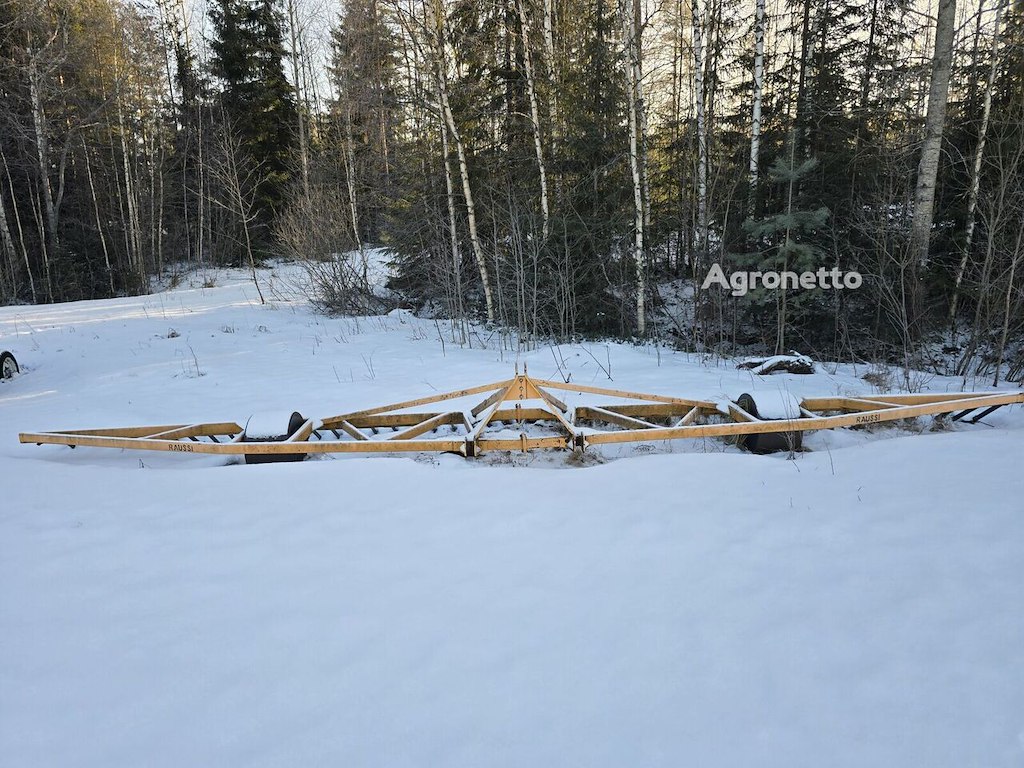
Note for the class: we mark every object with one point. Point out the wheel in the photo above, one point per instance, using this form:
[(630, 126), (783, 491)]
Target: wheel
[(766, 442), (8, 365), (294, 424)]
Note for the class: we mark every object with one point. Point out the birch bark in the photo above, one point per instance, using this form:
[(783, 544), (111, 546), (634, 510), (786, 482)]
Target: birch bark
[(531, 87), (631, 34), (924, 196), (755, 122), (979, 151), (467, 190), (702, 133)]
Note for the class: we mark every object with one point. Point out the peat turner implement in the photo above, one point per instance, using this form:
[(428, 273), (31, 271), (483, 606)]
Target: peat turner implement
[(527, 414)]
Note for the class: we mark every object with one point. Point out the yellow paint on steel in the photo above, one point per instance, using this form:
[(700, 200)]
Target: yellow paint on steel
[(351, 431), (237, 449), (611, 417), (385, 420), (516, 443), (427, 425), (692, 414), (195, 430), (557, 407), (497, 397), (486, 419), (854, 411), (820, 403), (553, 402), (302, 433), (454, 395), (128, 431), (655, 410), (804, 425), (550, 399), (845, 404), (738, 414), (522, 414), (583, 389)]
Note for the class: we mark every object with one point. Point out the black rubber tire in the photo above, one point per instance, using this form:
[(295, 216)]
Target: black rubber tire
[(766, 442), (8, 365), (294, 424)]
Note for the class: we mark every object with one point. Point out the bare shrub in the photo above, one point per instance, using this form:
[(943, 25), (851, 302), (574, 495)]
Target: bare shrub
[(314, 232)]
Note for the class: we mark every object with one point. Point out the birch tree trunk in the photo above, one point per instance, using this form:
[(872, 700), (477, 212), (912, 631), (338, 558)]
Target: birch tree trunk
[(554, 87), (631, 35), (8, 247), (924, 196), (678, 254), (755, 122), (297, 81), (132, 233), (531, 87), (979, 151), (132, 224), (40, 126), (453, 230), (99, 221), (353, 201), (467, 190), (1015, 260), (21, 230), (865, 93), (549, 52), (641, 113), (702, 135), (236, 173)]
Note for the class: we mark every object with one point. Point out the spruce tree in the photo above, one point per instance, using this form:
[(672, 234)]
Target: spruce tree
[(257, 103), (787, 240), (365, 115)]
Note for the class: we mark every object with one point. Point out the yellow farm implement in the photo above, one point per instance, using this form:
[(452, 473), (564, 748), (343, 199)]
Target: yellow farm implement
[(525, 413)]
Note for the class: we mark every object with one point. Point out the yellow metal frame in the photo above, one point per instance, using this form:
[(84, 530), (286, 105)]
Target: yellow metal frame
[(511, 405)]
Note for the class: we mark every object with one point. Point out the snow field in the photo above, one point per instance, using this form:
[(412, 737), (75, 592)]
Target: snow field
[(857, 606)]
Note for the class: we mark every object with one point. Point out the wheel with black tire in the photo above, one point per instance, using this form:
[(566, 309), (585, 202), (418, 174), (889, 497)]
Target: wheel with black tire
[(8, 365), (294, 425), (765, 442)]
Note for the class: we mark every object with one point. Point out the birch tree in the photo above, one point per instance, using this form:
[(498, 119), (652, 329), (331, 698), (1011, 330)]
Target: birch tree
[(40, 65), (552, 68), (531, 87), (294, 55), (755, 122), (438, 43), (975, 177), (700, 250), (927, 171), (630, 13)]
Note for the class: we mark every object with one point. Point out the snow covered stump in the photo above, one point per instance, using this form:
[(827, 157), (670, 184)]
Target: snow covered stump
[(264, 428)]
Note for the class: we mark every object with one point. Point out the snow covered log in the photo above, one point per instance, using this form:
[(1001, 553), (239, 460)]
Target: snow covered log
[(791, 363)]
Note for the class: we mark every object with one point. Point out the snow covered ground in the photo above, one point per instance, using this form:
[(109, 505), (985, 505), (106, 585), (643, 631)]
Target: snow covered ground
[(674, 605)]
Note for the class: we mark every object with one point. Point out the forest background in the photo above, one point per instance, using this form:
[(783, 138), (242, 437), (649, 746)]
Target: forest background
[(561, 168)]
